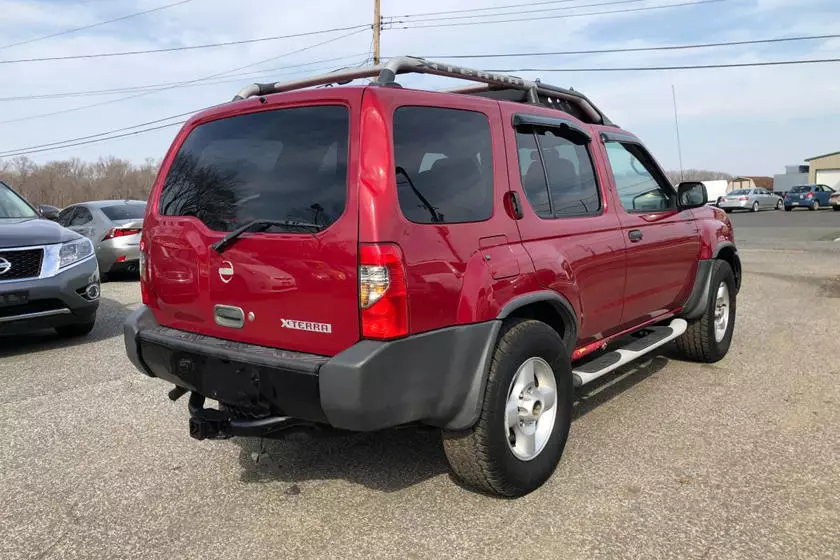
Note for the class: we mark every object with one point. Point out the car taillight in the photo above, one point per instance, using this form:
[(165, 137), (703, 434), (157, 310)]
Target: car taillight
[(145, 288), (809, 195), (744, 198), (120, 232), (383, 297)]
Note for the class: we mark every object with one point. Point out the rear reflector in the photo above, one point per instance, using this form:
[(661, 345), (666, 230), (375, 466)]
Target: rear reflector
[(120, 258), (120, 232), (383, 298), (145, 280)]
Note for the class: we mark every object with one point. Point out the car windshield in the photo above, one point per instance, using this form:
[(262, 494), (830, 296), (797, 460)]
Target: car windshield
[(801, 188), (12, 205), (740, 192), (126, 211)]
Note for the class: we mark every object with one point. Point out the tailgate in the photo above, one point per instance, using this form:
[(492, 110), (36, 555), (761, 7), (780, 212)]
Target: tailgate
[(292, 288)]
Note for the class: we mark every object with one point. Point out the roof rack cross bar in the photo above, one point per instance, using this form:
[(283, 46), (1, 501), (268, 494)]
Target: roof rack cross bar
[(386, 76)]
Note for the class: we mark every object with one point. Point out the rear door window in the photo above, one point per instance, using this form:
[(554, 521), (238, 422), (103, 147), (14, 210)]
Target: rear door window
[(443, 165), (286, 165)]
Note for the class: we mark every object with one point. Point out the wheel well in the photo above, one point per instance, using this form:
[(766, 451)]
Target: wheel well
[(730, 255), (548, 313)]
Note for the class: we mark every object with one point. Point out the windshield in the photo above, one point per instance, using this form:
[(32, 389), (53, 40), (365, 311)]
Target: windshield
[(12, 205), (281, 165), (126, 211), (801, 188), (740, 192)]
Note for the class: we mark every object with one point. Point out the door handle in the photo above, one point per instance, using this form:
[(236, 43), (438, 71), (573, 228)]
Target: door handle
[(635, 235)]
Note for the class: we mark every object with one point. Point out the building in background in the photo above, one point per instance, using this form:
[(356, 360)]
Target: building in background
[(750, 183), (825, 170), (793, 175)]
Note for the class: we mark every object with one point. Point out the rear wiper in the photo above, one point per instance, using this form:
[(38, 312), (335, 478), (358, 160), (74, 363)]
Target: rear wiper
[(436, 217), (260, 225)]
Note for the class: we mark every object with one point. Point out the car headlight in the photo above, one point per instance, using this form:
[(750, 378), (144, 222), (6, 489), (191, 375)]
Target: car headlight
[(74, 251)]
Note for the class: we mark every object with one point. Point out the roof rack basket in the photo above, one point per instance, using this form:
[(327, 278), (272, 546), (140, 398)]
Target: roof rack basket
[(536, 92)]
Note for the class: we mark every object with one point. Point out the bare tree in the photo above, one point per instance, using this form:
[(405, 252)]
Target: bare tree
[(696, 175)]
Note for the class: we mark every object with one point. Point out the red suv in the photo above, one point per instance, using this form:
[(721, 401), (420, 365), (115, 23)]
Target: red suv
[(370, 256)]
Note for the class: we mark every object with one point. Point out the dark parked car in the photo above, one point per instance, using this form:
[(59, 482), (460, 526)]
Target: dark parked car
[(48, 274), (114, 227), (812, 197), (370, 256)]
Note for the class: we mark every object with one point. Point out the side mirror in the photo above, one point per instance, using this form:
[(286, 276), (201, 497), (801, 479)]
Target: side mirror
[(48, 212), (691, 194)]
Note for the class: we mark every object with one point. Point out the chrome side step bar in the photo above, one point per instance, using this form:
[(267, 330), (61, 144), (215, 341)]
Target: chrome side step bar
[(602, 365)]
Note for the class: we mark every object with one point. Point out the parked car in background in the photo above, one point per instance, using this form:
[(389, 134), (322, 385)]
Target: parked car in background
[(834, 201), (114, 227), (48, 275), (750, 199), (811, 197)]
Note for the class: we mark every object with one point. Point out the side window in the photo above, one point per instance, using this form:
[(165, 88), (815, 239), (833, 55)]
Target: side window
[(66, 216), (81, 217), (571, 188), (640, 187), (443, 165)]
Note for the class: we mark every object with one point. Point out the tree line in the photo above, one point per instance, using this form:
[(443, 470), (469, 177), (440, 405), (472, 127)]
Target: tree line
[(64, 182)]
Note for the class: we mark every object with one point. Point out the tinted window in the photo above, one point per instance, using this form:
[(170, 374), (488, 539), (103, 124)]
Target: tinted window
[(124, 212), (638, 183), (66, 215), (801, 188), (572, 189), (444, 165), (12, 205), (81, 217), (288, 164)]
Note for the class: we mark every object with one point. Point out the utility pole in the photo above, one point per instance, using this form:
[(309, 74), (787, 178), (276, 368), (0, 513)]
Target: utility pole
[(377, 27)]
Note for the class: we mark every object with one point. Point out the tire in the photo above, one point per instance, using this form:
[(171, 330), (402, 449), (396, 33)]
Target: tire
[(755, 207), (700, 343), (836, 208), (779, 205), (484, 457), (814, 206), (727, 210), (77, 330), (788, 208)]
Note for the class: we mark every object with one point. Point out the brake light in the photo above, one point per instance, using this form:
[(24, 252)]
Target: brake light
[(383, 297), (809, 195), (120, 232), (743, 198), (145, 288)]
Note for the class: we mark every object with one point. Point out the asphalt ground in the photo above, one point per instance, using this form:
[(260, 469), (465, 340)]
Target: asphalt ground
[(666, 459)]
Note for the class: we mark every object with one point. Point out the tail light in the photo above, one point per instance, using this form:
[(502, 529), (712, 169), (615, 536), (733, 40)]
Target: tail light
[(809, 195), (383, 297), (743, 198), (145, 286), (120, 232)]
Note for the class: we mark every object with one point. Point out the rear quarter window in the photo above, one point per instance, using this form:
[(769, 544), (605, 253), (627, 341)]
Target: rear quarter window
[(443, 165), (285, 164)]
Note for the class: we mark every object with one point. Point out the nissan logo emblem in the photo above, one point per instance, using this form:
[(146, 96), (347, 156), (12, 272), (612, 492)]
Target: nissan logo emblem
[(226, 271), (5, 266)]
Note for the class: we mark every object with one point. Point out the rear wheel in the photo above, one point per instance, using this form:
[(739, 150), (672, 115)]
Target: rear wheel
[(814, 205), (836, 208), (525, 415), (708, 338), (788, 208), (73, 331), (755, 207)]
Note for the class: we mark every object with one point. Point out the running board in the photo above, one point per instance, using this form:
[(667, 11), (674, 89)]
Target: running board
[(602, 365)]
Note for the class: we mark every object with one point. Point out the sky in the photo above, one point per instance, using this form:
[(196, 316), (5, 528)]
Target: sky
[(744, 121)]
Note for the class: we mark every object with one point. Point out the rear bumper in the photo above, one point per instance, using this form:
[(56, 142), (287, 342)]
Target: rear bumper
[(108, 253), (51, 302), (731, 205), (435, 378)]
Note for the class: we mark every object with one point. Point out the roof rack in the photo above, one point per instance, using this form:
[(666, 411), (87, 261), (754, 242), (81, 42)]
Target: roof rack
[(535, 92)]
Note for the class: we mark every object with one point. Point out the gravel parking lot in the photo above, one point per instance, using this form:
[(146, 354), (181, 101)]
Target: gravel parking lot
[(668, 459)]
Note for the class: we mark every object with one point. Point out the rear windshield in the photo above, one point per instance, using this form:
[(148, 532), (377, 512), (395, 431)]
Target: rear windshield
[(801, 188), (287, 164), (125, 212), (741, 191)]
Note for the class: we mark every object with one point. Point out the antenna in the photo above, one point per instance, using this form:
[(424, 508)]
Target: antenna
[(677, 126)]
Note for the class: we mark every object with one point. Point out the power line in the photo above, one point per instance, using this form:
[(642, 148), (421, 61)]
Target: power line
[(521, 12), (408, 25), (164, 85), (686, 67), (184, 48), (97, 24), (642, 49), (528, 4), (178, 84)]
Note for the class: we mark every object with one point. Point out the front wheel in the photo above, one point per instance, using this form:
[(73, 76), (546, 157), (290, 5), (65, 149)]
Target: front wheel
[(525, 415), (707, 339), (779, 205)]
